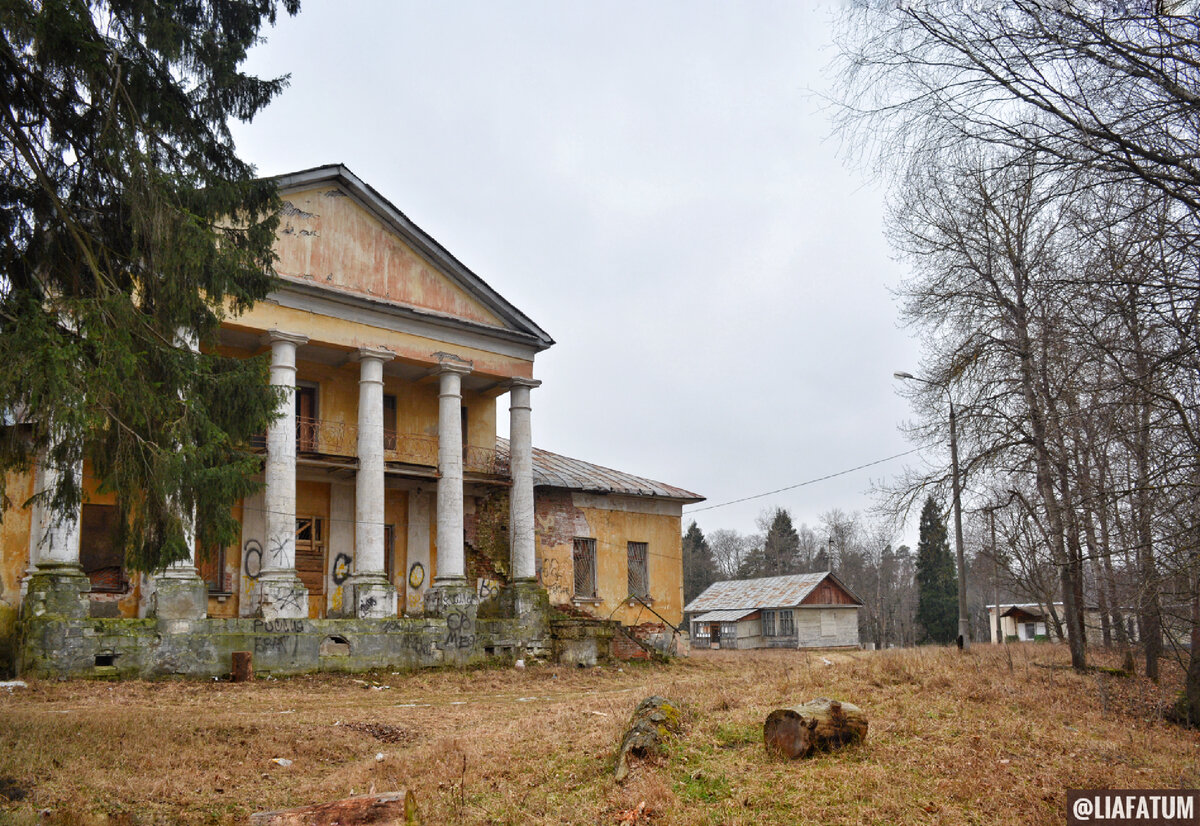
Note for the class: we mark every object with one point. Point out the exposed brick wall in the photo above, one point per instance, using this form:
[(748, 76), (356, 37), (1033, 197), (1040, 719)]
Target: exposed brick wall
[(554, 516), (624, 648)]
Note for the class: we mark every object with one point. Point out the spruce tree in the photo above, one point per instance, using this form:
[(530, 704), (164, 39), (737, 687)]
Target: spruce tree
[(937, 587), (131, 229), (782, 544), (699, 566)]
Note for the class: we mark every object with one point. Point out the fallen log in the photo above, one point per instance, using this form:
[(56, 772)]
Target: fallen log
[(818, 725), (654, 721), (388, 808)]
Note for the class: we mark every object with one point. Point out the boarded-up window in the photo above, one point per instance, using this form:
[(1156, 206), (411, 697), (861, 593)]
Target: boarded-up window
[(584, 554), (829, 625), (99, 555), (768, 623), (310, 553), (787, 624), (639, 569)]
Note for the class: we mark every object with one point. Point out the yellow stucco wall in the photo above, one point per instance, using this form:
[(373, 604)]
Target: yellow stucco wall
[(562, 516), (340, 332), (14, 538), (327, 236)]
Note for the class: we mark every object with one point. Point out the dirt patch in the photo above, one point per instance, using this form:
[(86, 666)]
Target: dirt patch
[(386, 733), (11, 791)]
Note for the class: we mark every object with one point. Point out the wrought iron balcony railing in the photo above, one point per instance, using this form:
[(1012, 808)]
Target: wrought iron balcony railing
[(341, 439)]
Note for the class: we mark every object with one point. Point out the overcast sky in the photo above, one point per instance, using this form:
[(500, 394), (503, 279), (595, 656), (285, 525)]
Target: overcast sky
[(654, 184)]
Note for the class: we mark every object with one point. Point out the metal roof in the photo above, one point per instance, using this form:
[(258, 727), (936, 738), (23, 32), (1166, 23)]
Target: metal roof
[(768, 592), (554, 471), (724, 616)]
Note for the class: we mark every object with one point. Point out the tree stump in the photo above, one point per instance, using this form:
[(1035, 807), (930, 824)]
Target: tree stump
[(654, 720), (818, 725), (243, 667)]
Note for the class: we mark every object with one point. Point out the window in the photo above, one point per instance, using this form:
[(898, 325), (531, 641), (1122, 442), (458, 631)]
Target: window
[(639, 569), (828, 623), (389, 422), (768, 623), (701, 629), (307, 424), (1030, 630), (99, 555), (787, 624), (584, 557)]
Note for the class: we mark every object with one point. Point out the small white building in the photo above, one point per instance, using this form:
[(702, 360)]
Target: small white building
[(1028, 622), (797, 611)]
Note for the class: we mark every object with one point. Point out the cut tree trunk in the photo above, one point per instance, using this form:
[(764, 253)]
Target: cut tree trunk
[(818, 725), (654, 721), (389, 808)]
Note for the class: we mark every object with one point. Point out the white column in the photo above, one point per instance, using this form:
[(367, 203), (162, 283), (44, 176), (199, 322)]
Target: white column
[(186, 568), (374, 595), (520, 446), (53, 535), (280, 593), (368, 503), (56, 585), (451, 565)]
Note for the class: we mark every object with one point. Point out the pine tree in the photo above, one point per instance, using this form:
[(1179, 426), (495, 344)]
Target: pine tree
[(129, 229), (937, 588), (699, 566)]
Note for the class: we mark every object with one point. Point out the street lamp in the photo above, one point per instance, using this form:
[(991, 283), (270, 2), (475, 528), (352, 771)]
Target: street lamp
[(964, 624)]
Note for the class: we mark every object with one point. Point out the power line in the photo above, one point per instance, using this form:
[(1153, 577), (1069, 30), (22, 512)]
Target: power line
[(809, 482)]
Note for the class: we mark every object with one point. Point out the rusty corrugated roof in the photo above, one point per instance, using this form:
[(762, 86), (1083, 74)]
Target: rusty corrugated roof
[(768, 592), (554, 471)]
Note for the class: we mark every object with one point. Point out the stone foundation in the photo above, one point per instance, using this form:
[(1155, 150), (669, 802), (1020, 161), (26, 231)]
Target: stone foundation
[(456, 631)]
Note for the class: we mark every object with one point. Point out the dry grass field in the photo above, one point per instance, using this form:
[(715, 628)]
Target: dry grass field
[(987, 737)]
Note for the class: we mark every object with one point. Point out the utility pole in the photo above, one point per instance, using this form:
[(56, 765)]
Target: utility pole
[(964, 621)]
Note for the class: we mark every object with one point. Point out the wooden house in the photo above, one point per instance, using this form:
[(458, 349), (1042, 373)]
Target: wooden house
[(813, 610)]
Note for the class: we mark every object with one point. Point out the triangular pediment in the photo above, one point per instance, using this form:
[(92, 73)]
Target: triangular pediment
[(337, 233)]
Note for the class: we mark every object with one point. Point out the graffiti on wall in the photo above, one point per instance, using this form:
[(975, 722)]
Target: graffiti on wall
[(341, 568), (487, 588), (459, 630), (555, 577), (252, 556)]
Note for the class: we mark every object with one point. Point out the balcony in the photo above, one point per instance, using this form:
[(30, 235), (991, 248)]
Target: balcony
[(330, 438)]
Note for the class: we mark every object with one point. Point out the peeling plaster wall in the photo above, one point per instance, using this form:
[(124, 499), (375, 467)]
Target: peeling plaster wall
[(613, 521), (329, 237)]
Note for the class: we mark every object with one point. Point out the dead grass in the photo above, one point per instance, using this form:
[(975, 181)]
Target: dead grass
[(953, 739)]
